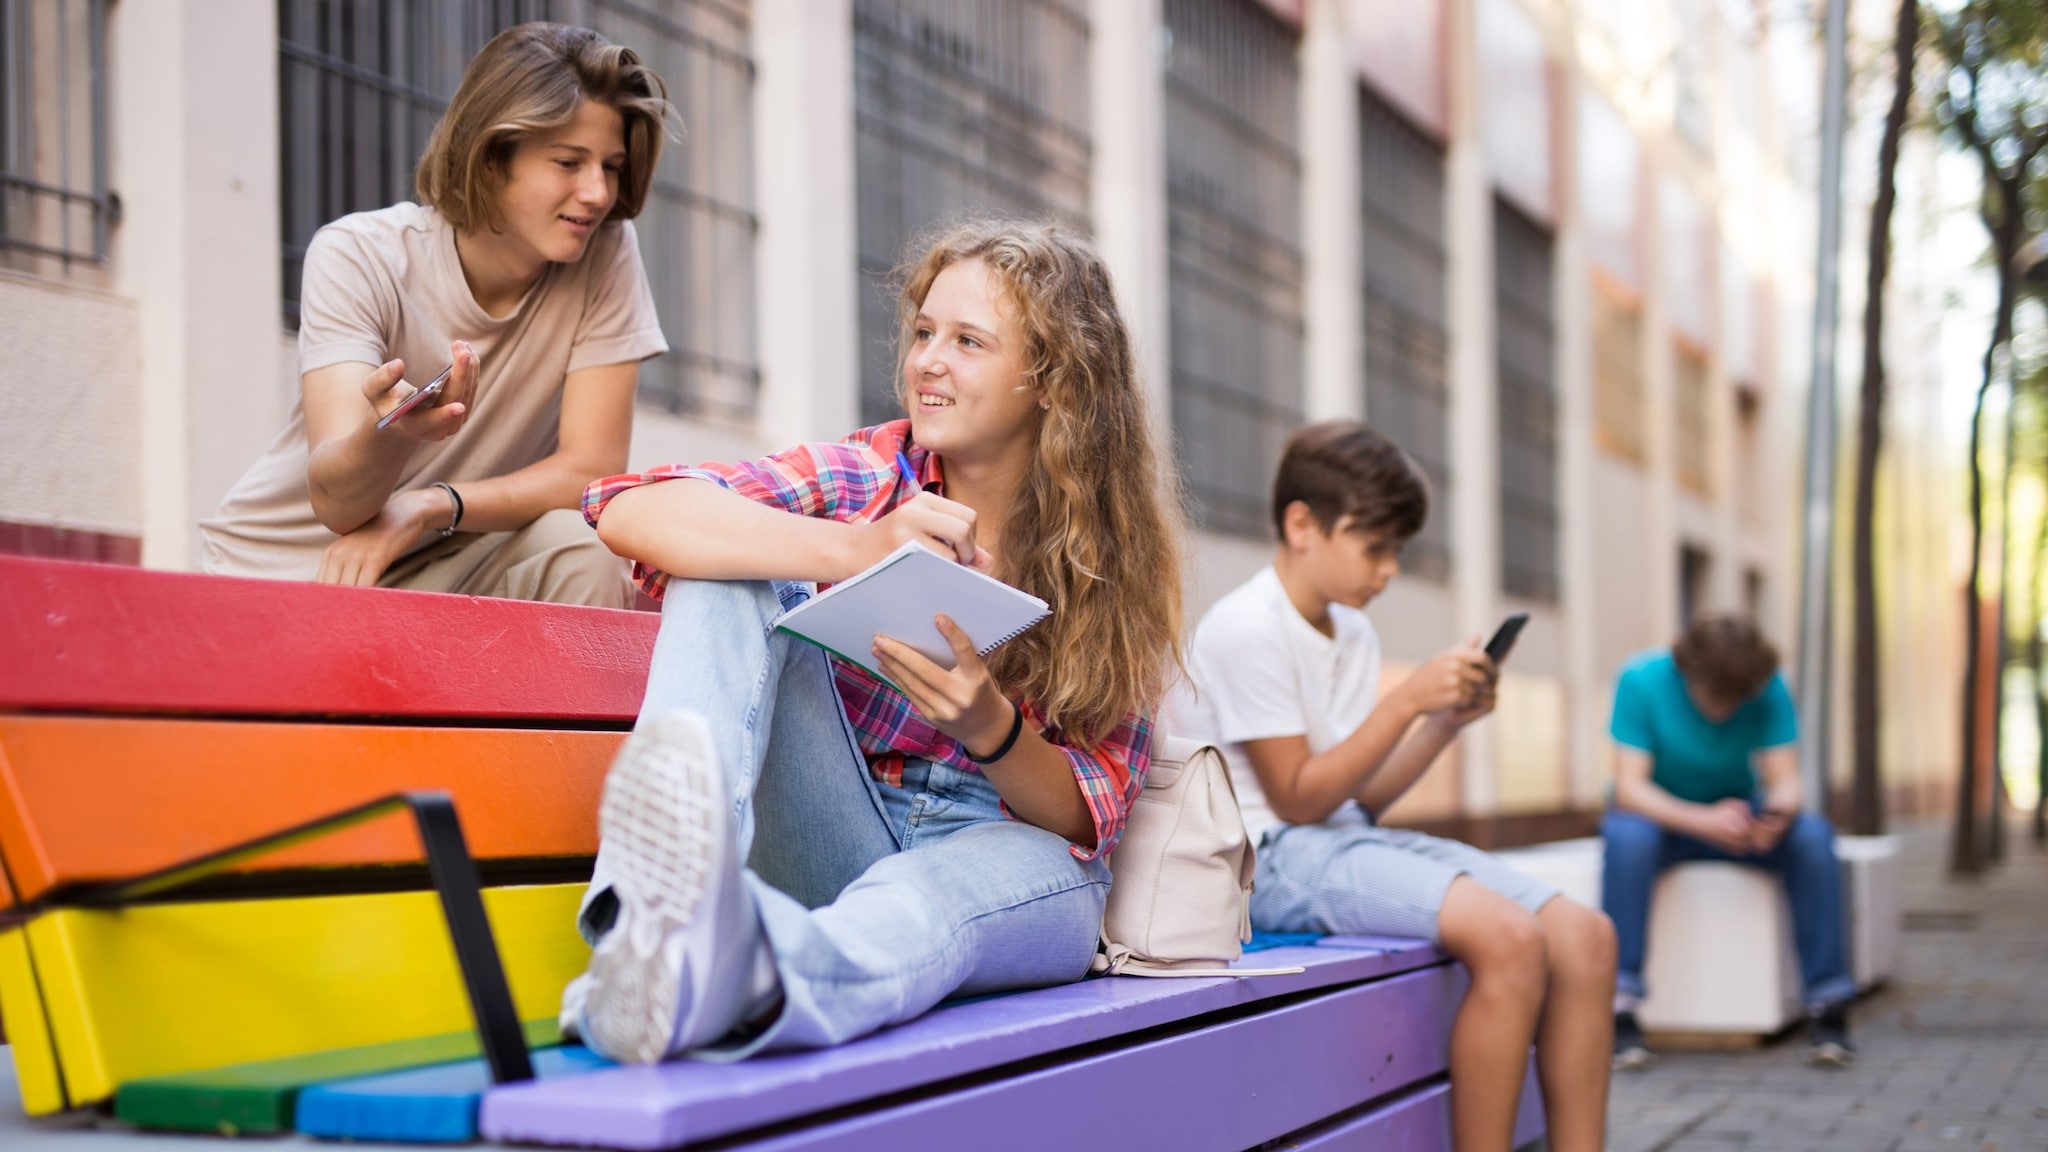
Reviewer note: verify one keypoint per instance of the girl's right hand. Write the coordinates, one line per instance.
(940, 524)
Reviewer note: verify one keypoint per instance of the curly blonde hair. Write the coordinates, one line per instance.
(1094, 530)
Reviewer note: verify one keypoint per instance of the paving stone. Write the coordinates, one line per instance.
(1952, 1056)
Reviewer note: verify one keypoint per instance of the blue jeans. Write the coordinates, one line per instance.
(1639, 850)
(877, 902)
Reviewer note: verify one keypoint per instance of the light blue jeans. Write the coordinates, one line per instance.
(878, 902)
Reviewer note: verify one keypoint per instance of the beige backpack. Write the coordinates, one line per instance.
(1180, 896)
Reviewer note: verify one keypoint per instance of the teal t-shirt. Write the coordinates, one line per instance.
(1692, 757)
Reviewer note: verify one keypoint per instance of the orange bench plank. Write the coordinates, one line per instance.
(91, 798)
(109, 639)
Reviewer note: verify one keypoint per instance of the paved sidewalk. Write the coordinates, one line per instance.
(1951, 1057)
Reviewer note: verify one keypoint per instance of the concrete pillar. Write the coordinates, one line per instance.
(1333, 274)
(1474, 432)
(1660, 471)
(194, 157)
(1127, 82)
(807, 260)
(1585, 704)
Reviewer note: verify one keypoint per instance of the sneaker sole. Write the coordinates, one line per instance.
(1634, 1058)
(661, 816)
(1830, 1056)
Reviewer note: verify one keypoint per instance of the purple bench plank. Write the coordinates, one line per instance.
(1420, 1122)
(1225, 1088)
(669, 1104)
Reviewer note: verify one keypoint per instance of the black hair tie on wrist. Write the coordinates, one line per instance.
(1009, 742)
(455, 516)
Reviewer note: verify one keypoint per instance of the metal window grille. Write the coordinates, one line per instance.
(959, 109)
(1527, 404)
(1233, 163)
(1694, 567)
(362, 82)
(54, 201)
(1689, 401)
(1618, 415)
(1406, 270)
(1749, 461)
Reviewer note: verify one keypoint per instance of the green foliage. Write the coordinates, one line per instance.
(1990, 92)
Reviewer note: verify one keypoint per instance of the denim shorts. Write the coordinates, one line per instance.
(1350, 877)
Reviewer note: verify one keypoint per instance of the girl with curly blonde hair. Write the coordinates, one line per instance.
(796, 852)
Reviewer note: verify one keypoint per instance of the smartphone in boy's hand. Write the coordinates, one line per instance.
(431, 389)
(1503, 640)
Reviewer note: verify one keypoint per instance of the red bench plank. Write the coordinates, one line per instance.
(101, 638)
(95, 798)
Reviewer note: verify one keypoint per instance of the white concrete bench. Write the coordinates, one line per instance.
(1721, 958)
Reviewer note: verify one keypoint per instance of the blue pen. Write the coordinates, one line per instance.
(909, 474)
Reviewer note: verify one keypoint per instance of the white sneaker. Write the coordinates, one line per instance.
(674, 972)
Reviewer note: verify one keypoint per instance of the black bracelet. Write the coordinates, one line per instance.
(1009, 742)
(455, 498)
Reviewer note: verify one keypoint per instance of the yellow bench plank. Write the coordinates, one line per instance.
(28, 1030)
(157, 989)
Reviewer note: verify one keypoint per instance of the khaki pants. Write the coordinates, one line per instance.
(557, 558)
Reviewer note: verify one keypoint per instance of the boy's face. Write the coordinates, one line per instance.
(563, 183)
(1346, 564)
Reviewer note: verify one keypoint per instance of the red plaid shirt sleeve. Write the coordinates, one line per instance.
(828, 481)
(1110, 777)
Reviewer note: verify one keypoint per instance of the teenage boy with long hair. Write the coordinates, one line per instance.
(519, 270)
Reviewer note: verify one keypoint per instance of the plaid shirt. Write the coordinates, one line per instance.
(855, 481)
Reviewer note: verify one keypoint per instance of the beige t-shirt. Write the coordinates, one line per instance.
(388, 283)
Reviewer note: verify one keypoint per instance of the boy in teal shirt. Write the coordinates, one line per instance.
(1695, 726)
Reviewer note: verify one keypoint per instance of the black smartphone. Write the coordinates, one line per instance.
(431, 390)
(1503, 641)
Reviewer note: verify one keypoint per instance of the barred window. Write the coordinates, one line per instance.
(1695, 567)
(1526, 403)
(1691, 436)
(1749, 457)
(1618, 407)
(1405, 278)
(54, 205)
(959, 109)
(1233, 169)
(362, 82)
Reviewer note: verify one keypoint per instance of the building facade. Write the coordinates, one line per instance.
(1560, 251)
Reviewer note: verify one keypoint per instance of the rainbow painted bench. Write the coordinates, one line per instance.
(284, 858)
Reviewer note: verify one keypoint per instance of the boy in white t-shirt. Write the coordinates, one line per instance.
(1285, 674)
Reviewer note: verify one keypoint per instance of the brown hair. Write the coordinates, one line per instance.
(527, 80)
(1725, 657)
(1343, 468)
(1092, 531)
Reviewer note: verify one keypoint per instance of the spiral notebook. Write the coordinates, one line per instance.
(898, 598)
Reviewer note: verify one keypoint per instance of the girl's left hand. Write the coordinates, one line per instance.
(963, 702)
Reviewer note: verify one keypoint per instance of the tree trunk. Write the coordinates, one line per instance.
(1866, 816)
(2035, 652)
(1966, 852)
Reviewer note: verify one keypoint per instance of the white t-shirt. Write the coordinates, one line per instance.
(1261, 671)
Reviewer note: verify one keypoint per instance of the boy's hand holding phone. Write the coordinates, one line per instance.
(432, 411)
(1457, 685)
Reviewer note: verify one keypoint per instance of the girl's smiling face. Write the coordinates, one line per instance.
(562, 184)
(964, 375)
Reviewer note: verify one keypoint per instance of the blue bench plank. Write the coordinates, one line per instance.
(1224, 1088)
(676, 1103)
(436, 1105)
